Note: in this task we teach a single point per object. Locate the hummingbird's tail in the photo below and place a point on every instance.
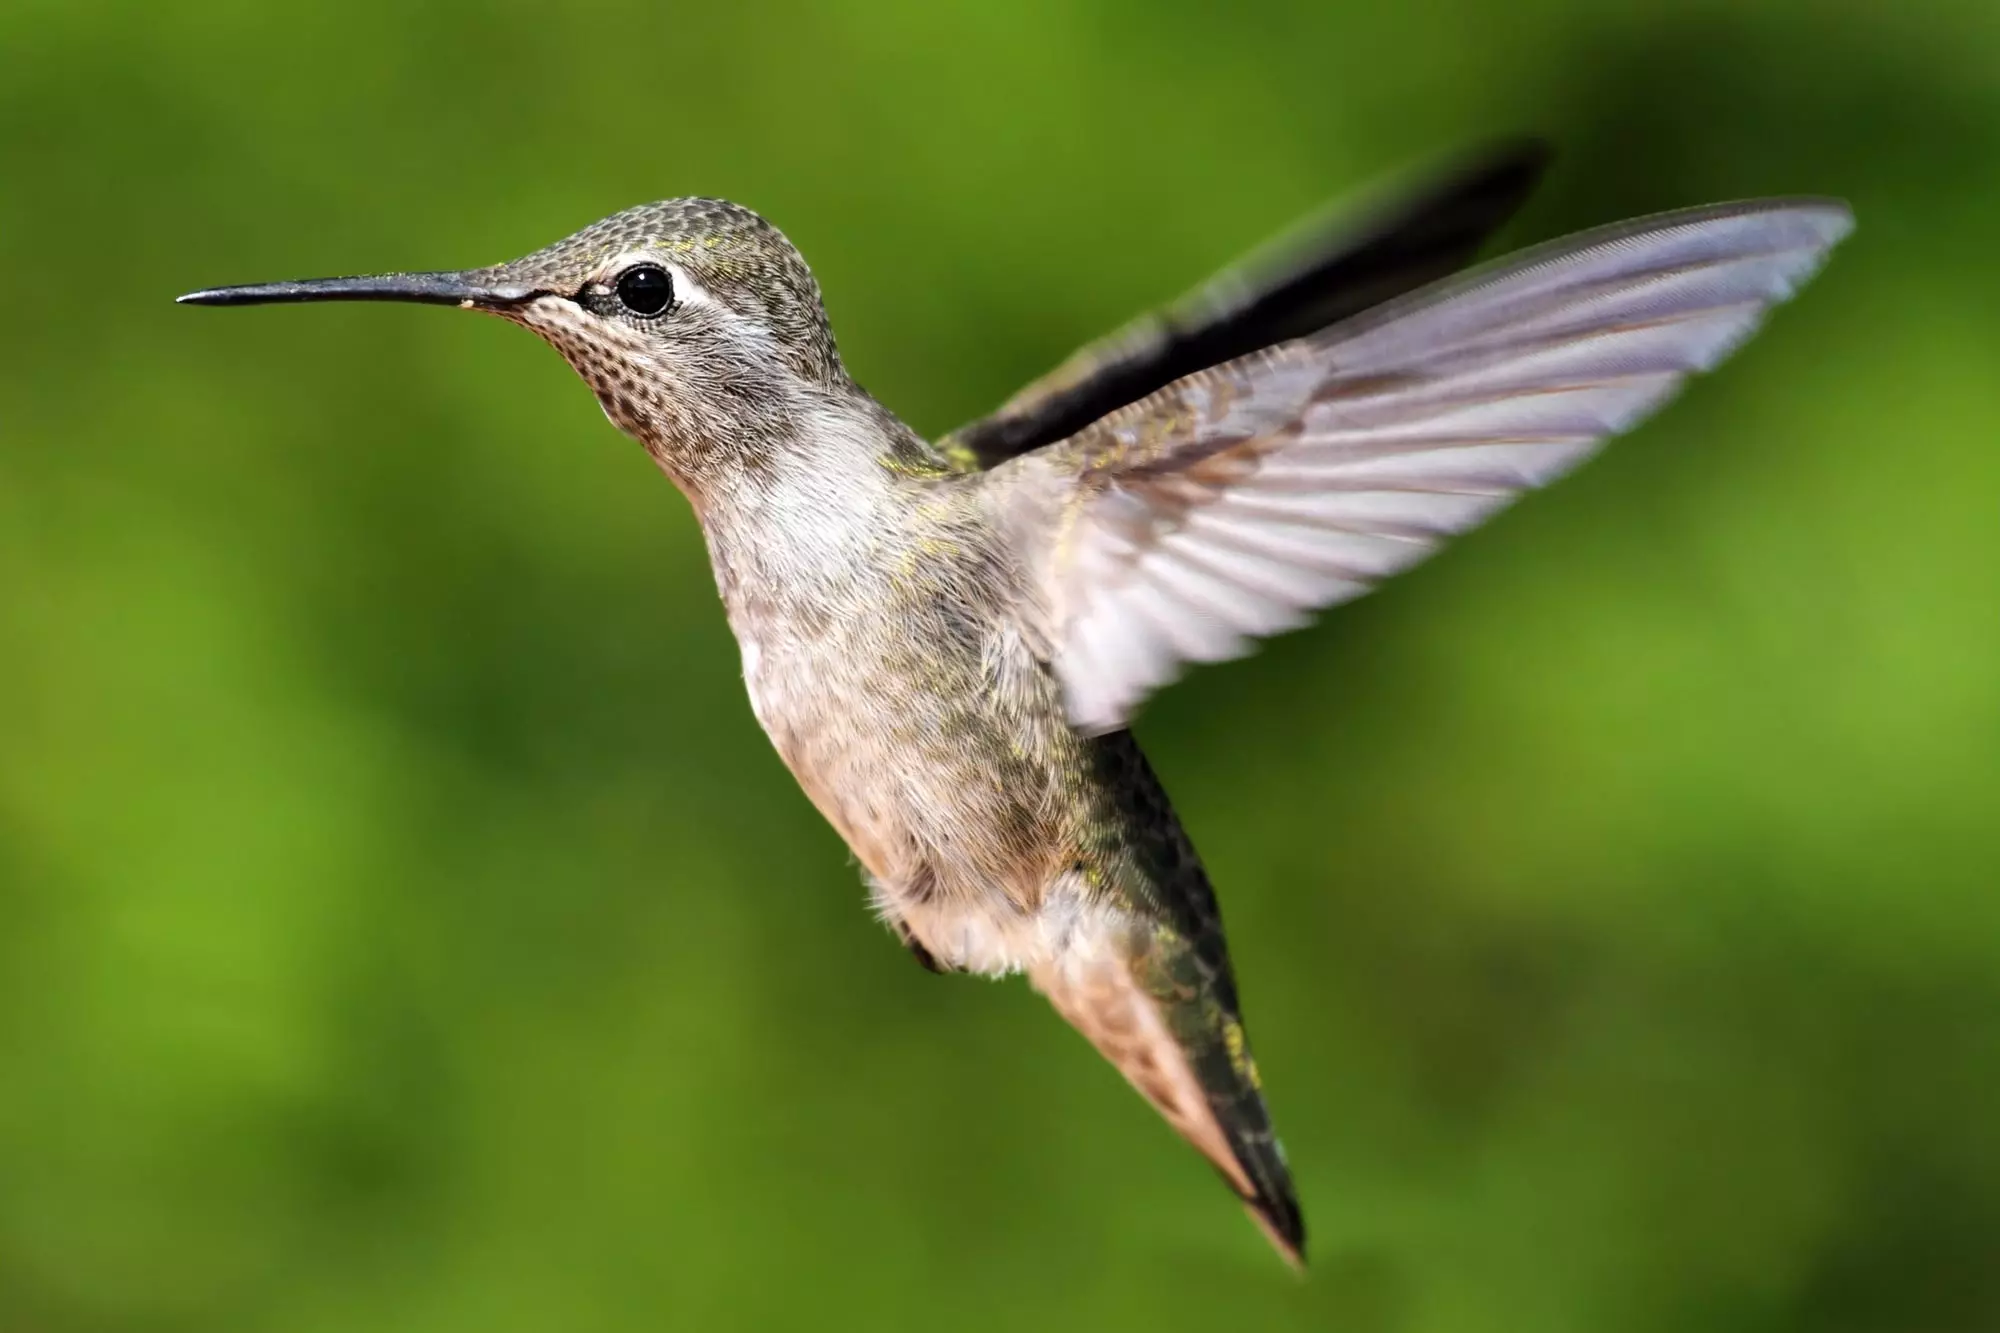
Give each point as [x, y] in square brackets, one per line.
[1167, 1018]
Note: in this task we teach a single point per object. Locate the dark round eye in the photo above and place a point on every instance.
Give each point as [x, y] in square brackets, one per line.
[646, 289]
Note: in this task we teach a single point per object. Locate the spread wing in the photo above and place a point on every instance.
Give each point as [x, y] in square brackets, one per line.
[1418, 234]
[1235, 501]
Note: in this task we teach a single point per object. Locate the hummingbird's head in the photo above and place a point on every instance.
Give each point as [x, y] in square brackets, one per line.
[696, 322]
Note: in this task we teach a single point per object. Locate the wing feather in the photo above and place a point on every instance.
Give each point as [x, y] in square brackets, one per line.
[1237, 500]
[1335, 268]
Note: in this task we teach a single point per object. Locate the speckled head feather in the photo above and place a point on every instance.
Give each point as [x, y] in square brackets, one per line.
[717, 381]
[734, 255]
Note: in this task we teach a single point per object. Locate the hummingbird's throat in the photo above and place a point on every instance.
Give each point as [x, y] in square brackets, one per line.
[707, 416]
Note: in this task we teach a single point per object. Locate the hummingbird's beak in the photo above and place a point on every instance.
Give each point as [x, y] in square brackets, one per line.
[474, 289]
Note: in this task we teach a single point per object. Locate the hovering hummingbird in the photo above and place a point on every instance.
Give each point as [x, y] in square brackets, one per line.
[947, 641]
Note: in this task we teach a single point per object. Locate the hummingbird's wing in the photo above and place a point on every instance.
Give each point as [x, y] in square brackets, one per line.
[1298, 285]
[1237, 500]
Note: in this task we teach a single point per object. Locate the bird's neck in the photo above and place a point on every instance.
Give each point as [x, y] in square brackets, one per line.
[728, 448]
[800, 505]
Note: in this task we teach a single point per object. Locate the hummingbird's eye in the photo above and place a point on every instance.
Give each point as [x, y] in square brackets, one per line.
[646, 289]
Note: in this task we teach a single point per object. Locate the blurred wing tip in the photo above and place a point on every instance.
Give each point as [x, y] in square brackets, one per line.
[1827, 220]
[1830, 221]
[1835, 214]
[1520, 154]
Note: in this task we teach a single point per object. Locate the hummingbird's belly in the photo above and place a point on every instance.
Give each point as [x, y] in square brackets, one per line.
[952, 776]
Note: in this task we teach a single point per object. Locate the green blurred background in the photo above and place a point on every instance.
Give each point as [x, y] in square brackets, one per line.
[406, 927]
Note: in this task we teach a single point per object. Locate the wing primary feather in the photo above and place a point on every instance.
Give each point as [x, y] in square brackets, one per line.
[1238, 500]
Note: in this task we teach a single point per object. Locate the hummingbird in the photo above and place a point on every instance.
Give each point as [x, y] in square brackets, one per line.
[947, 640]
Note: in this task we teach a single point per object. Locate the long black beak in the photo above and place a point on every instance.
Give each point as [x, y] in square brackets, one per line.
[472, 290]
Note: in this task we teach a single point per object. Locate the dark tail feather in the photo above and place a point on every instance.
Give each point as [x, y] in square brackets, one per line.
[1162, 1018]
[1218, 1052]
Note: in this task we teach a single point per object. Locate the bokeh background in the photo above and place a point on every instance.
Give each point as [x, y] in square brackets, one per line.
[404, 925]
